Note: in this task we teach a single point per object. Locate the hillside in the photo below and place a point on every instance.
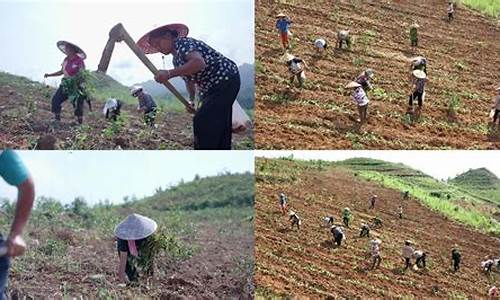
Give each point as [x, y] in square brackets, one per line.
[481, 181]
[72, 251]
[321, 115]
[26, 121]
[291, 263]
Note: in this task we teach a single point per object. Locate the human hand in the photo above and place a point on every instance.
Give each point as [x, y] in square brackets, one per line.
[16, 246]
[163, 76]
[190, 107]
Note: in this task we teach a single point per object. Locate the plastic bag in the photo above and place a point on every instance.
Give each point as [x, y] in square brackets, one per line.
[241, 121]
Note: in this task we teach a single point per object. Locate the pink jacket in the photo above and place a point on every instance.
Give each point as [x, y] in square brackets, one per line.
[408, 251]
[71, 66]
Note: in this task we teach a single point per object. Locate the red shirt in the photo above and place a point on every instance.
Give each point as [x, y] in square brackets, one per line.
[72, 65]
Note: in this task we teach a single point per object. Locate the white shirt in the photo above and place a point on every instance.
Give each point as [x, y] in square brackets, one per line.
[320, 43]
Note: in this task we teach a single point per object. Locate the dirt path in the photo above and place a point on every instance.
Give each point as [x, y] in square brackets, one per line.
[305, 264]
[321, 115]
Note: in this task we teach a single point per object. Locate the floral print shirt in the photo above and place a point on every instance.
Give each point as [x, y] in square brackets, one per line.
[219, 68]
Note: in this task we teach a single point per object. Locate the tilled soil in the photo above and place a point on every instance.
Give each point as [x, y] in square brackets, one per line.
[306, 264]
[26, 123]
[216, 271]
[462, 59]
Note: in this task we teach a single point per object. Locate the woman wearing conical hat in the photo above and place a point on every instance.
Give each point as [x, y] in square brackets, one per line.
[205, 71]
[359, 96]
[71, 66]
[418, 89]
[131, 234]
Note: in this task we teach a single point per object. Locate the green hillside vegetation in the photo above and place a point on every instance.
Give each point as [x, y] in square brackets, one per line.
[179, 210]
[102, 87]
[456, 202]
[481, 181]
[489, 7]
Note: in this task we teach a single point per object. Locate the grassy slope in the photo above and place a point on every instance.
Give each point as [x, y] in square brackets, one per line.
[62, 231]
[481, 181]
[490, 7]
[464, 204]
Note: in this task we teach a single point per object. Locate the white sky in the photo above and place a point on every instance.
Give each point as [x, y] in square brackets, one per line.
[438, 164]
[97, 175]
[30, 29]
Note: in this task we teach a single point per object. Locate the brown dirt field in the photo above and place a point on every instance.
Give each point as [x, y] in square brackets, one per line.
[19, 130]
[304, 264]
[320, 116]
[214, 272]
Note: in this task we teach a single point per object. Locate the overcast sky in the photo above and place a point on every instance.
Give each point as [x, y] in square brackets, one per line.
[112, 175]
[30, 29]
[438, 164]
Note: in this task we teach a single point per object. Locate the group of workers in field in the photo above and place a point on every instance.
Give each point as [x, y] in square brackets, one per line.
[210, 77]
[359, 88]
[412, 257]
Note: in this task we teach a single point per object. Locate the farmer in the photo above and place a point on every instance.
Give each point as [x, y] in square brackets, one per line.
[346, 216]
[400, 212]
[456, 257]
[414, 36]
[364, 79]
[407, 252]
[329, 220]
[344, 37]
[493, 292]
[373, 200]
[420, 257]
[296, 67]
[214, 76]
[418, 89]
[496, 108]
[283, 203]
[361, 100]
[365, 230]
[146, 104]
[406, 195]
[487, 265]
[377, 222]
[295, 220]
[419, 63]
[131, 235]
[375, 253]
[338, 234]
[112, 109]
[72, 85]
[15, 173]
[451, 11]
[320, 45]
[283, 26]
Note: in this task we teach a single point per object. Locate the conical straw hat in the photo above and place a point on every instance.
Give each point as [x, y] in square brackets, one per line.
[419, 74]
[352, 85]
[135, 227]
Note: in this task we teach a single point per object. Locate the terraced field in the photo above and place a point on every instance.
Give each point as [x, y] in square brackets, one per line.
[305, 264]
[462, 59]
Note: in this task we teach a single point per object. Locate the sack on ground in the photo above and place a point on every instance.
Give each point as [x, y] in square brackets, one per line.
[241, 121]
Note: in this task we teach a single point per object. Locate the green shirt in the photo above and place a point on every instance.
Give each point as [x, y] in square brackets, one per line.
[12, 169]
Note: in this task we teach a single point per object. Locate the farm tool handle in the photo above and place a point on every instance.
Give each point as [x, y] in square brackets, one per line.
[118, 34]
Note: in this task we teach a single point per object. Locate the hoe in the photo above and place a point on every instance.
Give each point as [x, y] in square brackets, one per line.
[118, 34]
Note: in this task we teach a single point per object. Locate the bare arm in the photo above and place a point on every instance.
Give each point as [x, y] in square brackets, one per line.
[58, 73]
[122, 265]
[194, 64]
[26, 196]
